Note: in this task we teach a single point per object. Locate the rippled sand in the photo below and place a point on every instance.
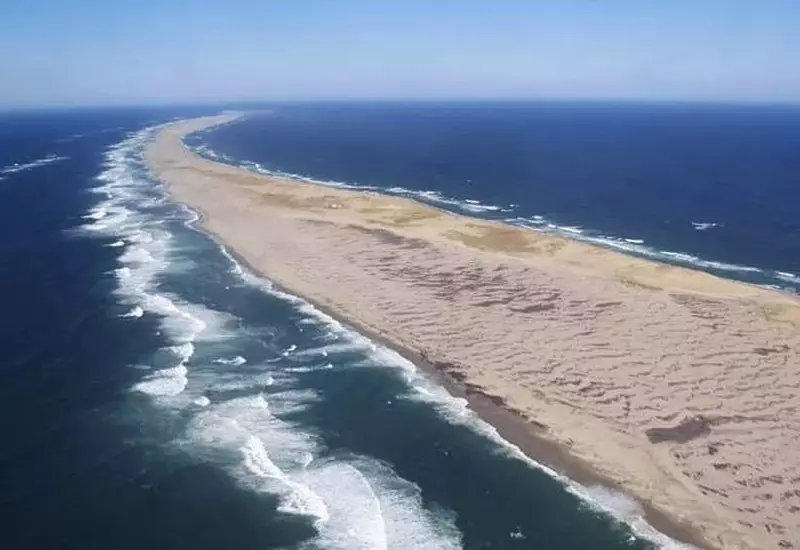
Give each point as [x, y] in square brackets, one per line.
[680, 388]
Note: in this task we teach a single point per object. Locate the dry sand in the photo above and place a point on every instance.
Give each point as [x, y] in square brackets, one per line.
[677, 387]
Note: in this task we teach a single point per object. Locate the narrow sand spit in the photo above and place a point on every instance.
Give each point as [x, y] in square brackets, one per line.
[677, 387]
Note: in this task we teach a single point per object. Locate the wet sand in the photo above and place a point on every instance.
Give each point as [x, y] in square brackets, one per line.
[676, 387]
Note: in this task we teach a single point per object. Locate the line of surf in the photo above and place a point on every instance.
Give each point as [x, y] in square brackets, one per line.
[632, 245]
[456, 410]
[24, 166]
[235, 411]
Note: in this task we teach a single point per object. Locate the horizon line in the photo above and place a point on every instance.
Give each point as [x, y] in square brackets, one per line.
[399, 101]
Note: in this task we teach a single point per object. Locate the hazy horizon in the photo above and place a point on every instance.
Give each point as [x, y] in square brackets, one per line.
[88, 53]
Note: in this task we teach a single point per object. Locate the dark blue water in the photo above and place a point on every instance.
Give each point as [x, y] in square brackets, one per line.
[712, 187]
[153, 393]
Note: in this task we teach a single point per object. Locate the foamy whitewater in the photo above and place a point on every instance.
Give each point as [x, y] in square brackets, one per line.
[353, 502]
[24, 166]
[236, 387]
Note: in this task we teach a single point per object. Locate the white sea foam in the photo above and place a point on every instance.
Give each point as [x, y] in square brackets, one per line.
[292, 401]
[357, 521]
[135, 312]
[408, 523]
[637, 247]
[172, 381]
[289, 350]
[704, 226]
[164, 383]
[628, 511]
[183, 351]
[479, 208]
[235, 361]
[787, 277]
[136, 254]
[95, 214]
[68, 139]
[310, 368]
[349, 346]
[141, 236]
[212, 381]
[245, 425]
[370, 507]
[298, 498]
[680, 256]
[23, 166]
[126, 214]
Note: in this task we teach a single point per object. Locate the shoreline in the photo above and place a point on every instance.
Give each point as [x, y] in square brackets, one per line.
[654, 255]
[511, 426]
[673, 512]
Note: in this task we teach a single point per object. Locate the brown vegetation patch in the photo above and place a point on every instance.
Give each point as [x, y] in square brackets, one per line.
[494, 238]
[388, 237]
[632, 282]
[783, 348]
[689, 429]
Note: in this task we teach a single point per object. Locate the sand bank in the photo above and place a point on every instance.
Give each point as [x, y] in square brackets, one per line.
[677, 387]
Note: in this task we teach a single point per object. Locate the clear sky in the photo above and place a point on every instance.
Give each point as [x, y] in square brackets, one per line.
[88, 52]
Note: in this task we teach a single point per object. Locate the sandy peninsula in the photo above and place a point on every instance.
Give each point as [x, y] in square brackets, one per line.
[676, 387]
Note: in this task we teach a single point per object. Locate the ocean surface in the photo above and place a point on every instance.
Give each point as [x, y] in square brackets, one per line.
[156, 394]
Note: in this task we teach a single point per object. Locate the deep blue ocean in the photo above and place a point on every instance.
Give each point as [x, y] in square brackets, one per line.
[155, 394]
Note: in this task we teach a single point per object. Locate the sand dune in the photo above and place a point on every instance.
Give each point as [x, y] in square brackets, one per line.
[680, 388]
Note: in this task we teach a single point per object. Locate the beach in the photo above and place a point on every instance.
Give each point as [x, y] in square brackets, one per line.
[676, 387]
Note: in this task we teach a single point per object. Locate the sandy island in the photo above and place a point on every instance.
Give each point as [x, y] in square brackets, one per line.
[678, 388]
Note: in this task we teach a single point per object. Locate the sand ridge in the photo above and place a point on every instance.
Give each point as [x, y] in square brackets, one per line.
[681, 387]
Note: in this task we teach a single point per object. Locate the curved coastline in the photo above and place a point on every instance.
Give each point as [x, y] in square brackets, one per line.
[454, 258]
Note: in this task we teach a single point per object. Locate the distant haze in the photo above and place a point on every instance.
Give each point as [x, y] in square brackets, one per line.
[70, 52]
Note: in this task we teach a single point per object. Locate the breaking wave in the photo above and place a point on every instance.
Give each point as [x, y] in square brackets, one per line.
[23, 166]
[236, 401]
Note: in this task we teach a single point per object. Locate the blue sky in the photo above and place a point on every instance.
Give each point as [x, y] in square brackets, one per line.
[89, 52]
